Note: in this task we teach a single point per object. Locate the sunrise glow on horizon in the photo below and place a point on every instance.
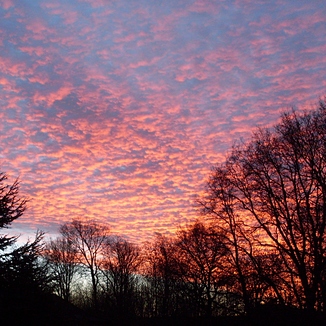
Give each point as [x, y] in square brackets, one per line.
[117, 110]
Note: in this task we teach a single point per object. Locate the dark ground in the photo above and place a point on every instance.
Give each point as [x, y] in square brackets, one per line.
[51, 311]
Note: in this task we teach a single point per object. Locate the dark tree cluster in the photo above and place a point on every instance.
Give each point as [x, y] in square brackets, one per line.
[183, 276]
[256, 255]
[23, 278]
[269, 198]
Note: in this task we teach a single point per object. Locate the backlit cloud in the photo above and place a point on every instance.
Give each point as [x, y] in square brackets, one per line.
[116, 110]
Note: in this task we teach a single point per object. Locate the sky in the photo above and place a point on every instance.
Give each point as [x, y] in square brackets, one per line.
[116, 110]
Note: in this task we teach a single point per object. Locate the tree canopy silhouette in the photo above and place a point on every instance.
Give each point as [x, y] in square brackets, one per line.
[24, 280]
[11, 207]
[87, 239]
[270, 198]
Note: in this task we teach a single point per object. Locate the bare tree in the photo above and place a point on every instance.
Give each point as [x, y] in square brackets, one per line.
[277, 188]
[120, 267]
[241, 239]
[87, 239]
[160, 271]
[62, 258]
[201, 260]
[220, 203]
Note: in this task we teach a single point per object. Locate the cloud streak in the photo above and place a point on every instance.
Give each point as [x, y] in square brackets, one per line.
[116, 110]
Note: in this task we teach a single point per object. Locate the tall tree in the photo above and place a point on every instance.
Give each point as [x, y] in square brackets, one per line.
[120, 267]
[277, 186]
[201, 260]
[25, 272]
[62, 258]
[221, 203]
[87, 238]
[160, 271]
[11, 207]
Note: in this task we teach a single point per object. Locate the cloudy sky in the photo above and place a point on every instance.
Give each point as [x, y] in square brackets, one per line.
[116, 110]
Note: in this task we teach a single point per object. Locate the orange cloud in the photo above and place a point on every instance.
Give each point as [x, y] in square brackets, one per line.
[116, 111]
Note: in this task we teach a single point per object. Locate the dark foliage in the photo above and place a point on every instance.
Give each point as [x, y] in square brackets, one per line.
[23, 278]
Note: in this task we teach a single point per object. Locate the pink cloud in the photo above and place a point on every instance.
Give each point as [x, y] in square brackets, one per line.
[117, 111]
[6, 4]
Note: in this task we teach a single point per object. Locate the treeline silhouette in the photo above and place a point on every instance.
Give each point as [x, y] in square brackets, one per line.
[255, 256]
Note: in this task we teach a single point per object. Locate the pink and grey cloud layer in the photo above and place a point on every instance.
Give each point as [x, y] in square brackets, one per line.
[116, 110]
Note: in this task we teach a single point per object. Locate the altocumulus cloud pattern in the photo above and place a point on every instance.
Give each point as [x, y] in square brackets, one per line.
[116, 110]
